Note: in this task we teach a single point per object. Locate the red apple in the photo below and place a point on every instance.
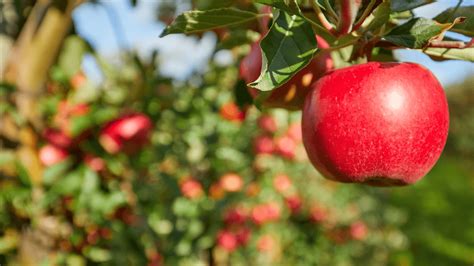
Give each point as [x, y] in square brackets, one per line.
[318, 214]
[231, 112]
[265, 243]
[78, 80]
[128, 133]
[231, 182]
[286, 147]
[281, 183]
[58, 138]
[294, 132]
[267, 123]
[236, 215]
[243, 235]
[50, 154]
[227, 240]
[265, 212]
[263, 145]
[358, 230]
[95, 163]
[290, 95]
[381, 124]
[294, 203]
[191, 188]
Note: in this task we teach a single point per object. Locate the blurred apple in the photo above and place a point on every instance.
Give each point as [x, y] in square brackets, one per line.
[129, 134]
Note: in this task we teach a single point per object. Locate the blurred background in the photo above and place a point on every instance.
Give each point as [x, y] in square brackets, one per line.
[149, 154]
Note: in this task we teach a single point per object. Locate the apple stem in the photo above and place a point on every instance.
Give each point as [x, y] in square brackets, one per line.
[348, 11]
[322, 18]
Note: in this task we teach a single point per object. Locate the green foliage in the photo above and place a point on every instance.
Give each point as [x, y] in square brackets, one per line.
[169, 203]
[288, 47]
[466, 28]
[415, 33]
[198, 21]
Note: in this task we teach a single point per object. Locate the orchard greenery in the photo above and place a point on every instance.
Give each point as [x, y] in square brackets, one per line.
[141, 169]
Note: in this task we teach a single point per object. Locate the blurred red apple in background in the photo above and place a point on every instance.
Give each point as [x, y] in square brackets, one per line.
[263, 145]
[377, 123]
[191, 188]
[50, 154]
[267, 123]
[231, 112]
[129, 134]
[227, 240]
[231, 182]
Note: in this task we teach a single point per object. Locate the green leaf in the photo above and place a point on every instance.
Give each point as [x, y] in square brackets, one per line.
[467, 27]
[287, 48]
[23, 174]
[402, 5]
[54, 172]
[377, 18]
[416, 33]
[289, 6]
[466, 54]
[199, 21]
[71, 56]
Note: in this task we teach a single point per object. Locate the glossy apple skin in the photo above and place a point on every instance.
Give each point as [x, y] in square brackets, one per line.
[290, 95]
[383, 124]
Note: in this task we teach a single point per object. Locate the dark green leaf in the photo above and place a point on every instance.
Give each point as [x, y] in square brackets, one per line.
[467, 27]
[199, 21]
[415, 33]
[402, 5]
[242, 95]
[287, 48]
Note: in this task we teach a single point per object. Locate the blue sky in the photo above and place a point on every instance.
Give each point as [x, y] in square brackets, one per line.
[180, 55]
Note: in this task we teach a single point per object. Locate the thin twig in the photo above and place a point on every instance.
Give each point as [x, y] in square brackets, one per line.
[365, 14]
[326, 24]
[331, 10]
[451, 44]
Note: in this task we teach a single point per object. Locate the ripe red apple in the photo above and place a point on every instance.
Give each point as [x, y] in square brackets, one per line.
[286, 147]
[231, 112]
[290, 95]
[50, 155]
[263, 145]
[128, 133]
[265, 212]
[358, 230]
[282, 183]
[294, 203]
[231, 182]
[191, 188]
[265, 243]
[267, 123]
[381, 124]
[227, 240]
[236, 215]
